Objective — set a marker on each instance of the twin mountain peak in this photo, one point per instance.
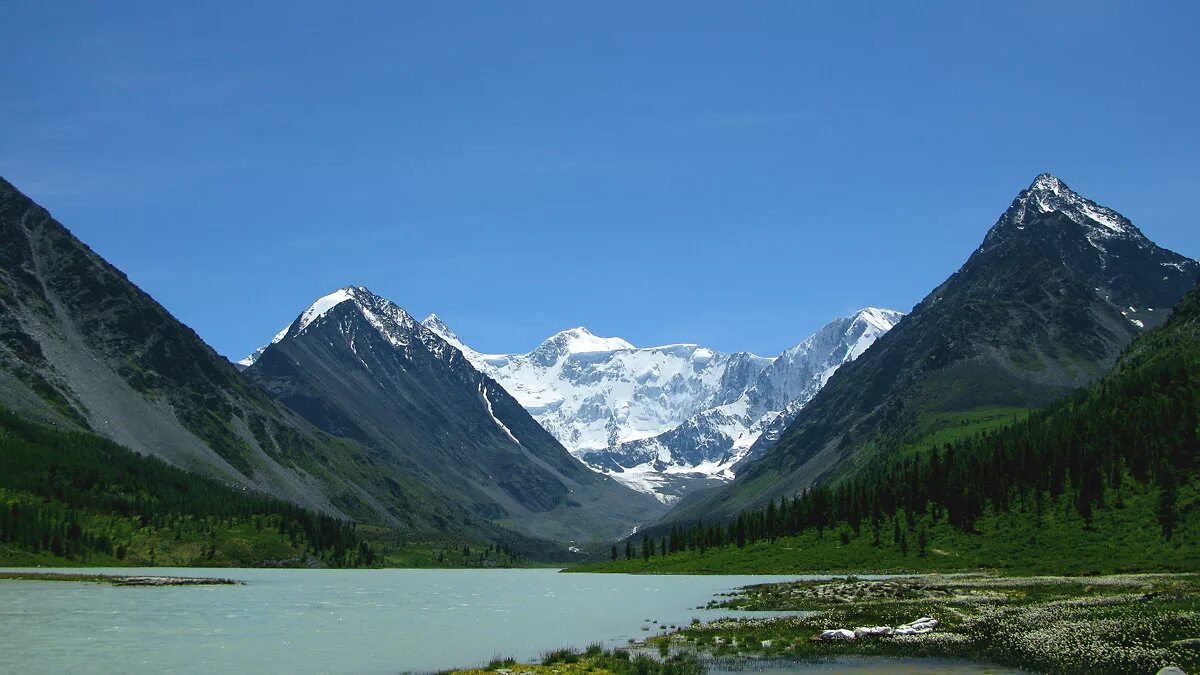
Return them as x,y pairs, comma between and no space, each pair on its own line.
661,420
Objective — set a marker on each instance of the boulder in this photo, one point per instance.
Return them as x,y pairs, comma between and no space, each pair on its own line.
923,624
835,634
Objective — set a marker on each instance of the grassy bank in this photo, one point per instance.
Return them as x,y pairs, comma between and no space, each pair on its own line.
1103,624
597,661
1108,624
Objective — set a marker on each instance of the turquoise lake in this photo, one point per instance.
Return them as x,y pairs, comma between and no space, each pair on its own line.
358,621
334,621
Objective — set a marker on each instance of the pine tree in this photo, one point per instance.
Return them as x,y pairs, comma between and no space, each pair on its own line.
1168,514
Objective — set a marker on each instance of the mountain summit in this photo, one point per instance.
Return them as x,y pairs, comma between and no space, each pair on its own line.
1097,246
664,420
357,365
434,323
81,346
1059,286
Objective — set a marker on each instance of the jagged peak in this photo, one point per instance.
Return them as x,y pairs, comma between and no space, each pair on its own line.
878,320
323,305
1049,194
375,308
434,323
1048,182
879,317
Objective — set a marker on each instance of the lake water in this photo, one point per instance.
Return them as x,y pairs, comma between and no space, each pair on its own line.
351,621
335,621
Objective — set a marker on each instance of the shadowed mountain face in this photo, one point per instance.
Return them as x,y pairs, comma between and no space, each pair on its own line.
1059,286
82,346
357,365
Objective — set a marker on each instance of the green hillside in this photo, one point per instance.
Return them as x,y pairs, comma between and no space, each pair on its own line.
69,497
1104,480
1035,312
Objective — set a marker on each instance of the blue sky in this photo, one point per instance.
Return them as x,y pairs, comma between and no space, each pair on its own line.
733,174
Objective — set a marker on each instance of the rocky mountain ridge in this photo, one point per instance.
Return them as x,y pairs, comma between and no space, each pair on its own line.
358,366
1058,287
665,420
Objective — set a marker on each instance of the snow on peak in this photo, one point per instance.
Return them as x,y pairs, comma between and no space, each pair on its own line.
1049,194
321,307
434,323
1048,181
316,310
382,313
580,340
252,357
656,418
755,396
883,319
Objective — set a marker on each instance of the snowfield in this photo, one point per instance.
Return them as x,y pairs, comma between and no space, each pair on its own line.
661,420
664,420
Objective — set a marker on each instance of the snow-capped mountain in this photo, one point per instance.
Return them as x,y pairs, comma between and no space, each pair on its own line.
1058,288
594,392
358,366
666,419
1102,247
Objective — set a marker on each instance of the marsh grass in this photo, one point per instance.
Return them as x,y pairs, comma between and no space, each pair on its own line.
1115,624
598,661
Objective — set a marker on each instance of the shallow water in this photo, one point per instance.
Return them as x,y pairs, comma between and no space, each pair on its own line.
335,621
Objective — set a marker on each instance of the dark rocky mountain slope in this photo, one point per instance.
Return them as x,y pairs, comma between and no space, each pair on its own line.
83,347
359,366
1059,286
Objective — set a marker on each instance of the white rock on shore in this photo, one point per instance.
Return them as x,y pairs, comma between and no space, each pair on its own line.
835,634
921,626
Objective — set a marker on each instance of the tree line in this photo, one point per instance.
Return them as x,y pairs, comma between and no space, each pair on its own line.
54,483
1136,429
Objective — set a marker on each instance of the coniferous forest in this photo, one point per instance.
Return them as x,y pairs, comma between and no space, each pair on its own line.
77,497
1124,447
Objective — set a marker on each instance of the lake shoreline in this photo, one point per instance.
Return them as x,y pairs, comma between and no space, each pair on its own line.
120,580
1096,624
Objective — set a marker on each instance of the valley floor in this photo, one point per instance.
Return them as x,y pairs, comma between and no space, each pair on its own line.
1099,624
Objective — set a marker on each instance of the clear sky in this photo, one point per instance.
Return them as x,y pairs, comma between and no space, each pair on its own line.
733,174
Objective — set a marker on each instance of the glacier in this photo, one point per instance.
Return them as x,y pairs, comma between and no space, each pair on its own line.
668,419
